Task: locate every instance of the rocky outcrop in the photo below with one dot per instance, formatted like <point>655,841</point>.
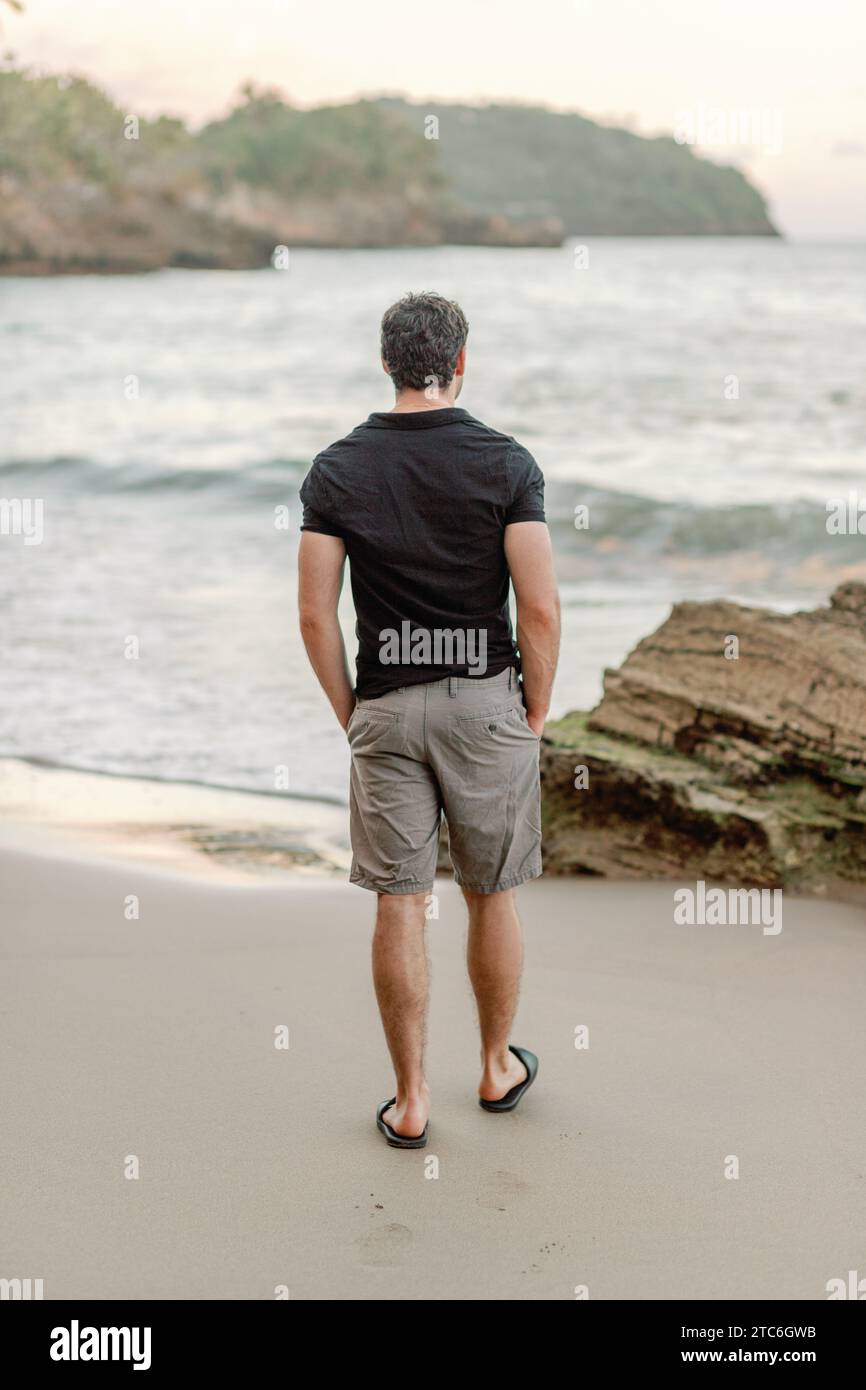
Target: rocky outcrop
<point>372,220</point>
<point>730,744</point>
<point>78,226</point>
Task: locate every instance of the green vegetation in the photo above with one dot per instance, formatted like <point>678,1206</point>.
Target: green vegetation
<point>89,186</point>
<point>333,150</point>
<point>56,128</point>
<point>64,127</point>
<point>529,162</point>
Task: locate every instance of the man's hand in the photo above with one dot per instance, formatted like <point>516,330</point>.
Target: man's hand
<point>536,723</point>
<point>321,560</point>
<point>530,563</point>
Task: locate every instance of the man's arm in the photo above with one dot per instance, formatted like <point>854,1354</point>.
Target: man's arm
<point>530,561</point>
<point>321,560</point>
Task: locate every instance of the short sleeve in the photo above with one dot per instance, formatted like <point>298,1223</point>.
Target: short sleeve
<point>525,486</point>
<point>319,513</point>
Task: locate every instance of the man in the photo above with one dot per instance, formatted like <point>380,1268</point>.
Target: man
<point>436,512</point>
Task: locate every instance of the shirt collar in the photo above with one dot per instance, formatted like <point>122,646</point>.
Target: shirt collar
<point>416,419</point>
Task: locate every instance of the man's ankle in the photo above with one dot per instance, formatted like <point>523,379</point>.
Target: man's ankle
<point>496,1060</point>
<point>413,1093</point>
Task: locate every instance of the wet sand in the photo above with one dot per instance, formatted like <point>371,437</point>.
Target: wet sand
<point>258,1167</point>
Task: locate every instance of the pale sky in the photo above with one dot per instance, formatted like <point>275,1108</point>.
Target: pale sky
<point>777,87</point>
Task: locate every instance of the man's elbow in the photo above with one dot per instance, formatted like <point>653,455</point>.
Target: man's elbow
<point>540,614</point>
<point>314,620</point>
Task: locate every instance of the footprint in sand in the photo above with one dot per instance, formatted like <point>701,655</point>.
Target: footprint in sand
<point>387,1245</point>
<point>500,1189</point>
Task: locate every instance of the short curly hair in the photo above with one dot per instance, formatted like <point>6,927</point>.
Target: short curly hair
<point>422,335</point>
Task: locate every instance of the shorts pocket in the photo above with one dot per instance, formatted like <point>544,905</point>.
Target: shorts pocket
<point>495,723</point>
<point>365,711</point>
<point>369,727</point>
<point>491,715</point>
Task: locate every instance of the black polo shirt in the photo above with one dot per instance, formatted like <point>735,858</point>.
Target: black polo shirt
<point>421,500</point>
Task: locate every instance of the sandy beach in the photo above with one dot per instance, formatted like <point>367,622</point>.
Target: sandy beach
<point>427,437</point>
<point>261,1167</point>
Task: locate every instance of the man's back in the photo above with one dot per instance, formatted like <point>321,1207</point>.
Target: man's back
<point>421,500</point>
<point>436,514</point>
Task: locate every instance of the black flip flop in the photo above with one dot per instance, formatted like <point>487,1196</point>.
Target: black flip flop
<point>398,1141</point>
<point>512,1097</point>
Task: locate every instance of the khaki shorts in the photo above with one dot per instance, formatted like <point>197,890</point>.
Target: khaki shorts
<point>461,746</point>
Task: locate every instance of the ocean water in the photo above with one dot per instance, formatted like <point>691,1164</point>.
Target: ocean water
<point>704,398</point>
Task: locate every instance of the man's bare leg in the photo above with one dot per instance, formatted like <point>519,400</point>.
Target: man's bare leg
<point>494,956</point>
<point>400,975</point>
